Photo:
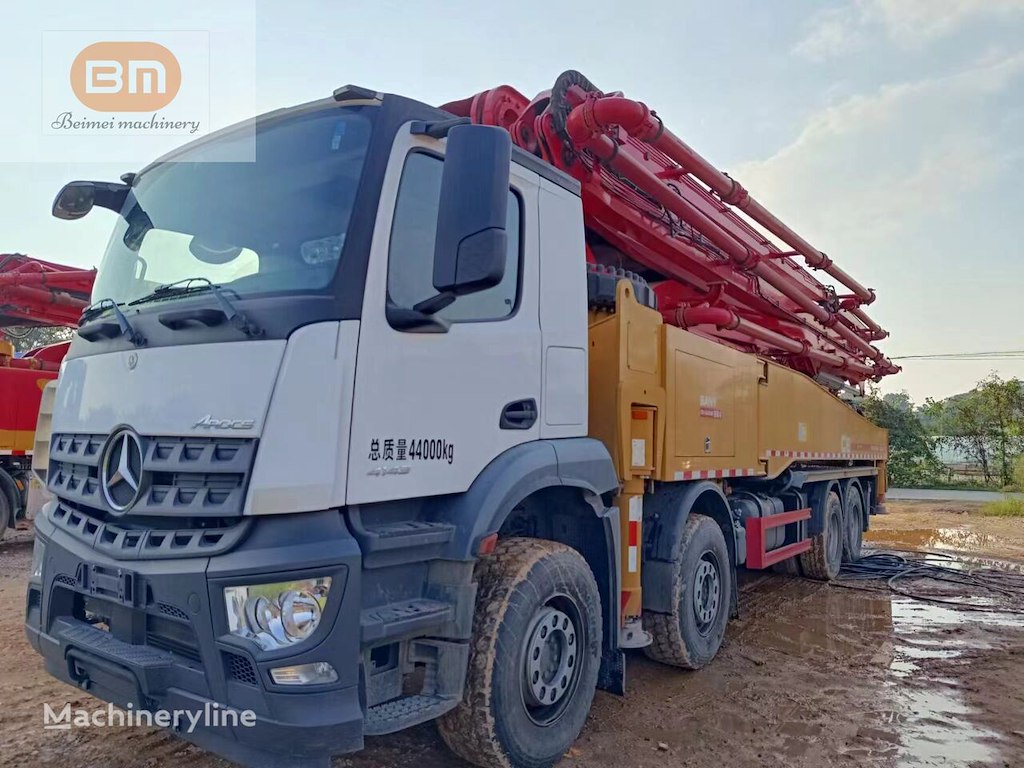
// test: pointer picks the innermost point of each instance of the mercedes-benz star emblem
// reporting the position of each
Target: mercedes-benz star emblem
(121, 471)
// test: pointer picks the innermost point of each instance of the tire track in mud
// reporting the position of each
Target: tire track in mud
(807, 678)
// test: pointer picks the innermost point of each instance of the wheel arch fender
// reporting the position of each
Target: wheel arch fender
(520, 472)
(579, 471)
(665, 514)
(816, 497)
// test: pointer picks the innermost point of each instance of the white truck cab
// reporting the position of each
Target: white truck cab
(311, 391)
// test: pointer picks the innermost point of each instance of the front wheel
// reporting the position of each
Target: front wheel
(534, 658)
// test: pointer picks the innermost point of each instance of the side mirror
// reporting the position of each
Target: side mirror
(77, 198)
(471, 242)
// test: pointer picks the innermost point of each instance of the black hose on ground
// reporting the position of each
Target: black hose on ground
(904, 574)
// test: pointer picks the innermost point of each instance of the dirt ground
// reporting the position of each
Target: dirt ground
(810, 675)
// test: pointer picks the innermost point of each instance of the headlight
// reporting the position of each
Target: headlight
(36, 571)
(276, 615)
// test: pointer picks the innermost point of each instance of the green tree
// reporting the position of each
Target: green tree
(28, 338)
(912, 459)
(987, 425)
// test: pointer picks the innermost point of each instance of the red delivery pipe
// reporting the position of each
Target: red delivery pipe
(686, 317)
(874, 330)
(606, 150)
(599, 113)
(40, 296)
(61, 280)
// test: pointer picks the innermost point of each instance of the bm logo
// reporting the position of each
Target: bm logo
(125, 76)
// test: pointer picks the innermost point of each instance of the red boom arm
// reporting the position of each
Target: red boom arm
(37, 292)
(653, 205)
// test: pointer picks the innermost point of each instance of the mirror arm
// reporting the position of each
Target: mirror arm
(403, 319)
(434, 304)
(437, 129)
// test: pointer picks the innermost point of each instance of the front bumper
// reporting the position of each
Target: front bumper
(166, 644)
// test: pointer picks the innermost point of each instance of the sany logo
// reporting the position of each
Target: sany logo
(125, 76)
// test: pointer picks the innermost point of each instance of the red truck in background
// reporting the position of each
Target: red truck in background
(33, 293)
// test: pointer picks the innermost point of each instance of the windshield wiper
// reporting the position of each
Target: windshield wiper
(91, 331)
(187, 287)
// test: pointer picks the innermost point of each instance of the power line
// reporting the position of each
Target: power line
(1014, 354)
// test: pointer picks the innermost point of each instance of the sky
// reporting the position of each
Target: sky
(887, 132)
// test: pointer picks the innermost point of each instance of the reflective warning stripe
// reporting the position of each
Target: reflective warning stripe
(636, 514)
(824, 455)
(711, 474)
(15, 453)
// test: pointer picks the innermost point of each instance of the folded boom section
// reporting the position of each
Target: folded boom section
(654, 206)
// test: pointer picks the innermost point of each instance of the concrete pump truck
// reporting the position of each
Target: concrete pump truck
(429, 413)
(33, 294)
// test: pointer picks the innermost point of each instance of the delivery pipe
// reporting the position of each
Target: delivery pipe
(727, 320)
(597, 114)
(605, 149)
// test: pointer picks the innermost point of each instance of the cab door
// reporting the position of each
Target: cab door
(431, 410)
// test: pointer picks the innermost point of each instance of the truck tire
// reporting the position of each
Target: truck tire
(534, 657)
(854, 539)
(6, 514)
(691, 635)
(825, 557)
(9, 503)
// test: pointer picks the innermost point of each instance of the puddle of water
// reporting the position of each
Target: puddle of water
(936, 733)
(809, 620)
(935, 730)
(925, 720)
(914, 616)
(953, 539)
(913, 652)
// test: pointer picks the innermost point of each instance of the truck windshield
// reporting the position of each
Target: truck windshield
(274, 225)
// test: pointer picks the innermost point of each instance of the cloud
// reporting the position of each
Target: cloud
(912, 188)
(859, 170)
(832, 32)
(847, 28)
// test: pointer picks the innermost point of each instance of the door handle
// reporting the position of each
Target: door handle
(519, 414)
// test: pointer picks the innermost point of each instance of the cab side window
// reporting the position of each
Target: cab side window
(411, 256)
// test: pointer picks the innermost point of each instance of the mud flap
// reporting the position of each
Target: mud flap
(611, 676)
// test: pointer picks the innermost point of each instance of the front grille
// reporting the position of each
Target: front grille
(240, 668)
(67, 581)
(201, 476)
(135, 539)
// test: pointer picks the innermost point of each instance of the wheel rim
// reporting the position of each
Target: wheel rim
(552, 659)
(707, 592)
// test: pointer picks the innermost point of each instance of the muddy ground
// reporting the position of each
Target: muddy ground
(811, 675)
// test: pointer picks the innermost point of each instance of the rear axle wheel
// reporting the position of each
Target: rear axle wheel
(692, 633)
(825, 557)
